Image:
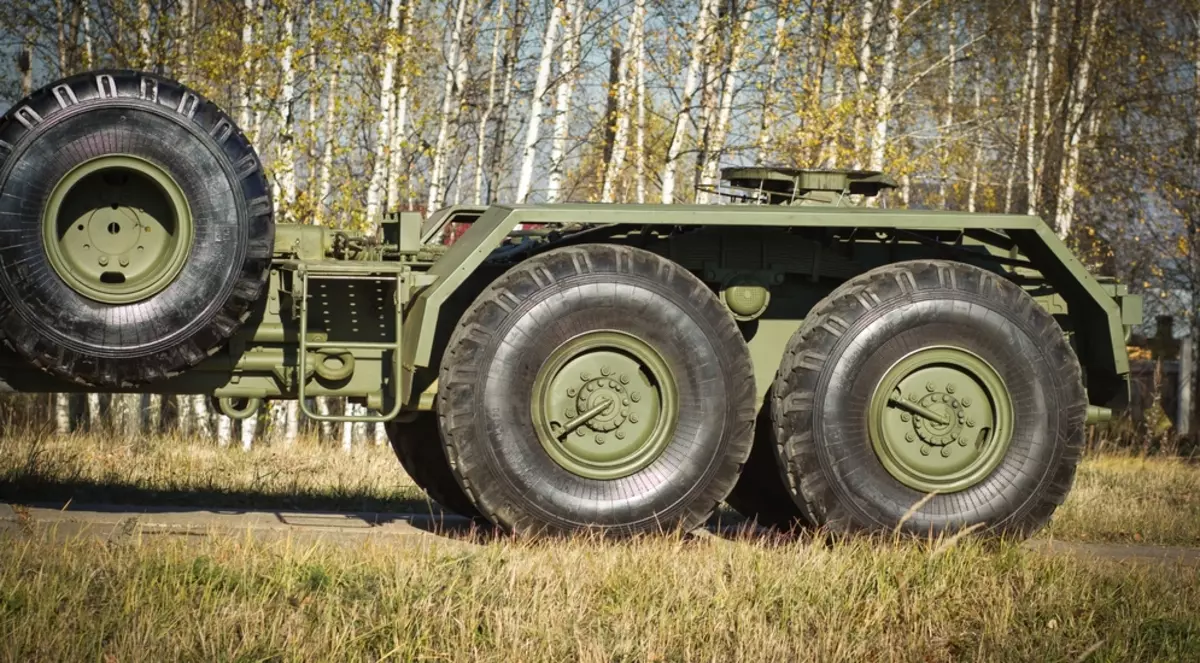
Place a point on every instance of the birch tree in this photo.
(684, 114)
(498, 37)
(887, 78)
(716, 143)
(1077, 104)
(377, 186)
(400, 113)
(451, 100)
(1031, 131)
(567, 73)
(529, 153)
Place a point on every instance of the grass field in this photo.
(663, 598)
(1115, 498)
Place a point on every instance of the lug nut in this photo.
(635, 397)
(945, 452)
(605, 371)
(599, 439)
(633, 418)
(124, 261)
(624, 379)
(570, 414)
(904, 416)
(580, 432)
(910, 437)
(585, 376)
(929, 386)
(103, 261)
(962, 441)
(620, 435)
(966, 402)
(950, 389)
(571, 391)
(970, 422)
(924, 451)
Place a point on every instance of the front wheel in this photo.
(930, 396)
(597, 387)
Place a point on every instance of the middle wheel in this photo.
(597, 387)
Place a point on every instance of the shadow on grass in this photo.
(120, 497)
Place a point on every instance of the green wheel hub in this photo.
(604, 405)
(117, 229)
(940, 419)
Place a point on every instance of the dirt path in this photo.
(118, 523)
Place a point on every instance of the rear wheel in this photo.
(930, 378)
(418, 445)
(136, 228)
(597, 387)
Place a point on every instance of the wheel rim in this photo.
(940, 420)
(604, 405)
(117, 229)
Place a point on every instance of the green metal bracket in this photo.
(352, 271)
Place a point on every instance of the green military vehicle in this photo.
(809, 359)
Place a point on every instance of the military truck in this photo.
(810, 359)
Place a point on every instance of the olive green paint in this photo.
(604, 405)
(117, 229)
(940, 419)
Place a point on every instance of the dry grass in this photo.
(654, 599)
(1116, 498)
(665, 598)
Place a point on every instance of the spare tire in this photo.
(136, 228)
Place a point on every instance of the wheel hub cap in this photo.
(604, 405)
(940, 420)
(117, 229)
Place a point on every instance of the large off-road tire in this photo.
(136, 228)
(628, 343)
(761, 494)
(418, 445)
(930, 377)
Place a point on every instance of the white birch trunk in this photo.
(285, 116)
(567, 73)
(486, 115)
(616, 160)
(684, 114)
(256, 90)
(1047, 84)
(202, 421)
(977, 159)
(1031, 132)
(95, 415)
(143, 33)
(768, 93)
(863, 79)
(377, 187)
(25, 66)
(224, 431)
(1010, 178)
(62, 37)
(887, 78)
(529, 153)
(249, 427)
(291, 430)
(716, 146)
(947, 122)
(183, 414)
(154, 408)
(400, 112)
(323, 410)
(451, 91)
(313, 76)
(348, 426)
(62, 413)
(89, 51)
(1076, 108)
(248, 82)
(324, 170)
(639, 75)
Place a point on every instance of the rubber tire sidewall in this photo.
(93, 342)
(876, 320)
(488, 375)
